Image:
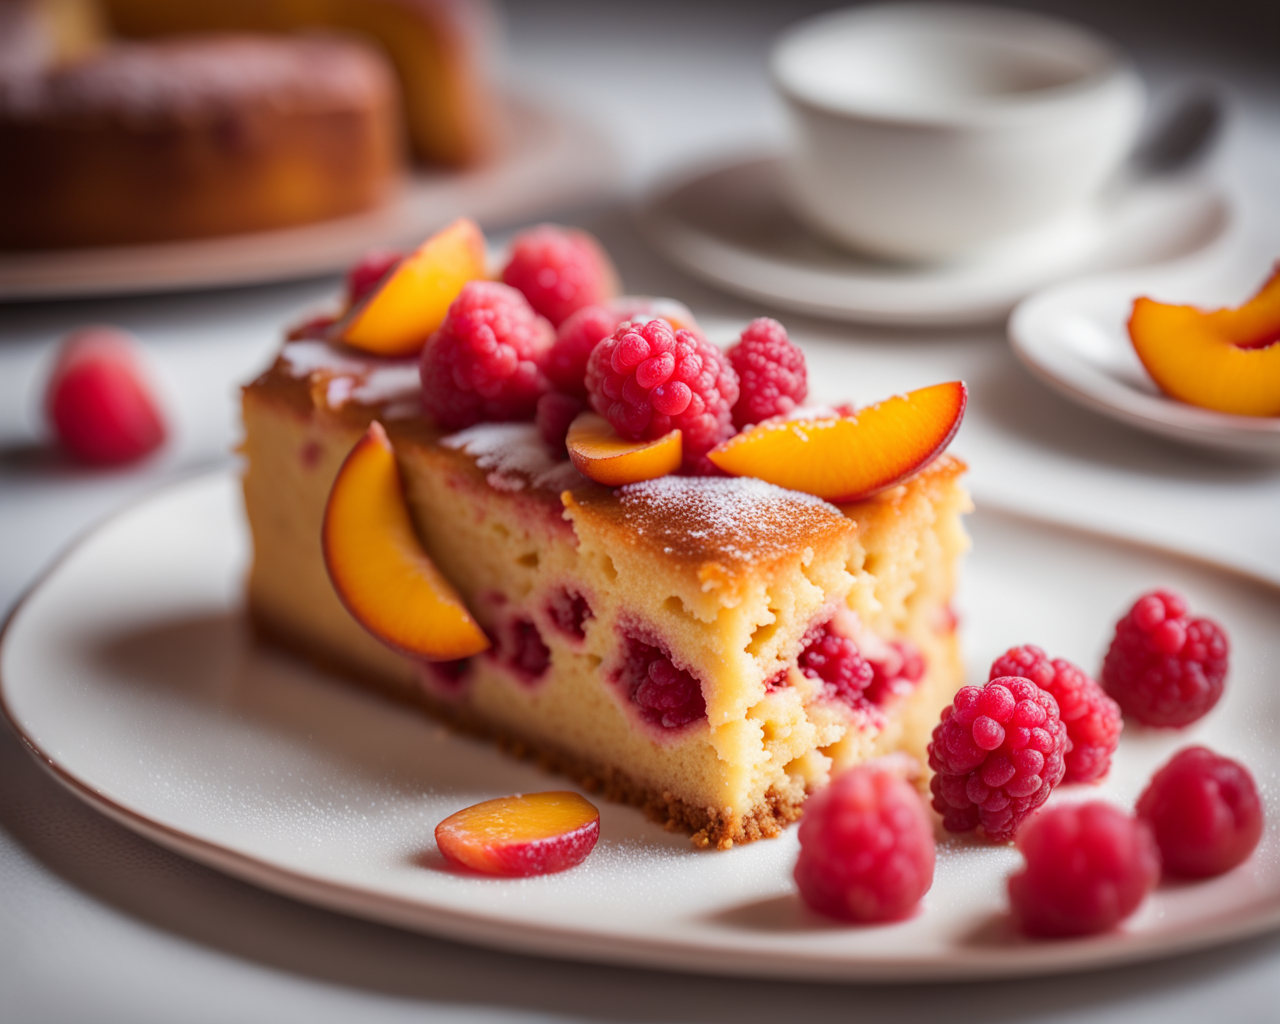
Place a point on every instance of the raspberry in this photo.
(560, 270)
(314, 329)
(771, 373)
(646, 379)
(666, 696)
(866, 847)
(521, 647)
(569, 610)
(997, 754)
(98, 401)
(895, 675)
(566, 363)
(836, 662)
(1204, 811)
(483, 362)
(1088, 867)
(365, 275)
(1092, 718)
(1164, 668)
(554, 414)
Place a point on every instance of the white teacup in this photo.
(932, 131)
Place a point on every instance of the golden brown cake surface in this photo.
(192, 137)
(581, 587)
(436, 47)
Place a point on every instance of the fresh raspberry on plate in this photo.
(1088, 867)
(372, 268)
(772, 377)
(1165, 668)
(99, 402)
(560, 270)
(646, 379)
(997, 754)
(1204, 811)
(866, 847)
(1092, 718)
(483, 364)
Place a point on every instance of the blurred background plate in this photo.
(550, 161)
(729, 226)
(1074, 338)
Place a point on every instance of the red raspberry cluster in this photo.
(666, 696)
(647, 379)
(1092, 718)
(866, 847)
(560, 270)
(772, 375)
(485, 361)
(1204, 811)
(997, 754)
(836, 661)
(1165, 668)
(1088, 867)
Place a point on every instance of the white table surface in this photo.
(96, 924)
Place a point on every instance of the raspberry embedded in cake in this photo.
(665, 695)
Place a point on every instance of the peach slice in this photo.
(600, 454)
(1226, 359)
(377, 564)
(530, 834)
(848, 458)
(409, 304)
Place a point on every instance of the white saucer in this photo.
(729, 227)
(1074, 338)
(130, 674)
(549, 160)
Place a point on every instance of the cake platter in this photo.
(729, 226)
(550, 160)
(129, 673)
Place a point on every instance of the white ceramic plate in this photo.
(1074, 338)
(549, 160)
(729, 227)
(129, 674)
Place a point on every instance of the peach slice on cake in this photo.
(1224, 359)
(848, 458)
(378, 566)
(398, 315)
(529, 834)
(601, 454)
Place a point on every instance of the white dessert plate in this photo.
(1074, 338)
(730, 227)
(129, 672)
(549, 160)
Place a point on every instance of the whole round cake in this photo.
(195, 136)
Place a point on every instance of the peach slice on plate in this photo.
(599, 453)
(848, 458)
(530, 834)
(409, 304)
(1225, 359)
(378, 566)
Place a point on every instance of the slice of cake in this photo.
(707, 648)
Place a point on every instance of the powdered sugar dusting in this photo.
(737, 519)
(514, 454)
(367, 380)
